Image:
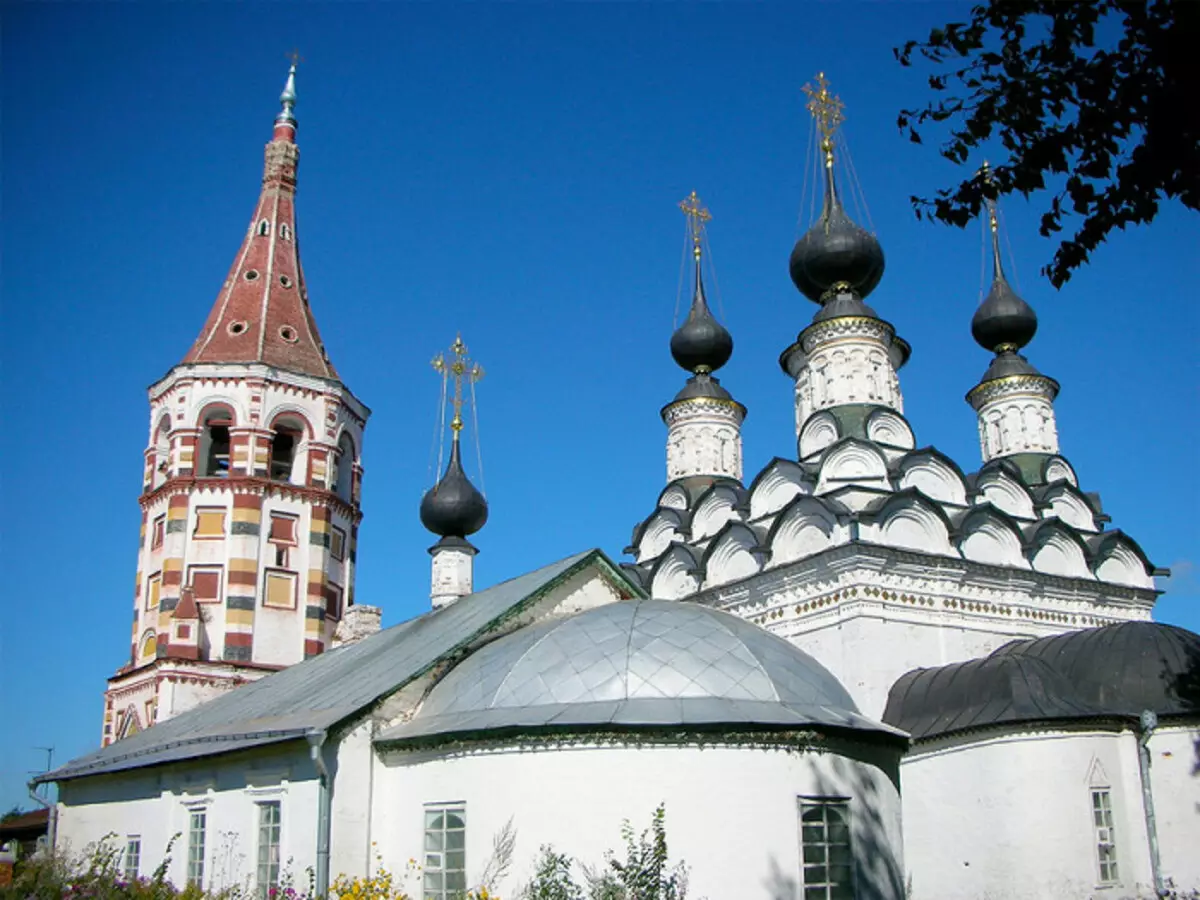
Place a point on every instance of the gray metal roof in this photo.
(637, 663)
(1109, 672)
(322, 691)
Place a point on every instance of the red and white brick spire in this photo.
(262, 313)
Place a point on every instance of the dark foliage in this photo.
(1119, 119)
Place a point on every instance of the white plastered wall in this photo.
(731, 812)
(1010, 815)
(1175, 777)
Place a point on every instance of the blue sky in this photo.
(511, 171)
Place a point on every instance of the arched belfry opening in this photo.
(214, 443)
(285, 440)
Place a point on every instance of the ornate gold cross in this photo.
(697, 215)
(986, 171)
(826, 108)
(461, 368)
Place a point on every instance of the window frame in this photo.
(434, 884)
(133, 854)
(1108, 870)
(158, 530)
(196, 850)
(337, 543)
(268, 866)
(827, 888)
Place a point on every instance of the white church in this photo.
(862, 673)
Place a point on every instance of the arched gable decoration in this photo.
(654, 535)
(852, 461)
(288, 415)
(775, 486)
(1119, 559)
(805, 526)
(221, 409)
(1000, 485)
(675, 575)
(820, 431)
(1057, 549)
(721, 503)
(734, 553)
(890, 428)
(1065, 501)
(674, 495)
(1058, 469)
(989, 535)
(934, 474)
(912, 521)
(130, 724)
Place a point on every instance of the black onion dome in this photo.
(1003, 318)
(701, 343)
(453, 507)
(836, 250)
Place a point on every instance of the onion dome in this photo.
(836, 253)
(1003, 321)
(701, 344)
(454, 507)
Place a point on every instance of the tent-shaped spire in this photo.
(262, 314)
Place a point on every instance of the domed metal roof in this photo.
(454, 507)
(636, 664)
(1116, 671)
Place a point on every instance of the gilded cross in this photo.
(986, 172)
(697, 215)
(295, 57)
(826, 108)
(459, 367)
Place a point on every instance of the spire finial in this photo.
(286, 120)
(993, 221)
(459, 367)
(826, 108)
(697, 215)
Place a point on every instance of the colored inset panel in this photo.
(283, 529)
(148, 648)
(153, 590)
(206, 582)
(280, 592)
(210, 523)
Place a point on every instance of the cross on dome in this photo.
(826, 108)
(697, 215)
(459, 367)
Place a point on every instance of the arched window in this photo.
(162, 451)
(285, 438)
(285, 233)
(264, 228)
(343, 467)
(214, 443)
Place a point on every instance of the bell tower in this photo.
(252, 481)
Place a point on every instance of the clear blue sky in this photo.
(511, 171)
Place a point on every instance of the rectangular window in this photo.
(206, 582)
(333, 601)
(280, 590)
(283, 529)
(157, 530)
(268, 847)
(337, 543)
(133, 857)
(828, 863)
(445, 852)
(153, 589)
(210, 523)
(197, 824)
(1106, 843)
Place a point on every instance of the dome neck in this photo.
(832, 203)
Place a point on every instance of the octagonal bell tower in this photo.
(252, 481)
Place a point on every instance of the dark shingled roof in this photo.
(1111, 672)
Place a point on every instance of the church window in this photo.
(285, 281)
(1106, 845)
(237, 327)
(280, 591)
(214, 444)
(156, 533)
(210, 523)
(206, 583)
(333, 601)
(153, 589)
(268, 847)
(285, 232)
(337, 543)
(288, 333)
(133, 857)
(264, 228)
(197, 826)
(445, 852)
(825, 844)
(283, 449)
(343, 467)
(251, 275)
